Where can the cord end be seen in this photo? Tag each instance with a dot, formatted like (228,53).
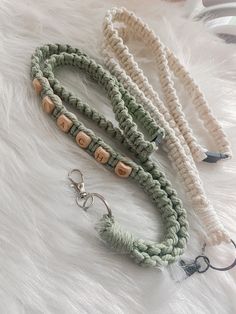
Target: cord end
(158,140)
(213,157)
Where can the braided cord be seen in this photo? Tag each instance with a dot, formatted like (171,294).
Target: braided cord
(129,115)
(179,143)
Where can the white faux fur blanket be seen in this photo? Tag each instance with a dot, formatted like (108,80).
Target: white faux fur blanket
(51,260)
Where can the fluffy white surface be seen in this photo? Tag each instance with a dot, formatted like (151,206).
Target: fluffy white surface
(51,260)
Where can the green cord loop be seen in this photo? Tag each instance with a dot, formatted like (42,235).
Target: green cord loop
(132,118)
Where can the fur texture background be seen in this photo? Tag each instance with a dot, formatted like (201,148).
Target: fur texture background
(51,260)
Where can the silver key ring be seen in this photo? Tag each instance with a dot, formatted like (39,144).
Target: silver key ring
(109,212)
(202,263)
(85,200)
(223,268)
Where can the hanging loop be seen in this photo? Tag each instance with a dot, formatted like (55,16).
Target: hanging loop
(224,268)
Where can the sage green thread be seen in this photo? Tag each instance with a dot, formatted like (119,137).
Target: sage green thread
(129,115)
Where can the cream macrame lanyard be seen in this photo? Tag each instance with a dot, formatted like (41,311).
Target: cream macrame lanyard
(181,146)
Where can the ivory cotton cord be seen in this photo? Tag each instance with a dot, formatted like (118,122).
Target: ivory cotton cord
(181,146)
(129,114)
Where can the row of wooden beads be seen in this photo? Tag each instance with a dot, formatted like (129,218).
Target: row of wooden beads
(82,139)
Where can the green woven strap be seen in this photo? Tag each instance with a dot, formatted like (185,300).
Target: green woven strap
(134,122)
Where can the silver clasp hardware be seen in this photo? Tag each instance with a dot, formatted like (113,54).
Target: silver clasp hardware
(87,198)
(78,186)
(202,263)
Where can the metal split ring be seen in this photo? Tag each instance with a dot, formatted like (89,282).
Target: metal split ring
(209,265)
(88,201)
(84,199)
(207,262)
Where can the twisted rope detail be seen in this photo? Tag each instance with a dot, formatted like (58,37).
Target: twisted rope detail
(179,142)
(129,114)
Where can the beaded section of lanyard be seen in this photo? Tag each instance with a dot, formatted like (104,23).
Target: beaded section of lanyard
(129,115)
(179,143)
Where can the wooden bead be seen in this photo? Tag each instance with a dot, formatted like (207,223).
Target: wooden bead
(101,155)
(64,123)
(37,86)
(83,140)
(122,170)
(48,105)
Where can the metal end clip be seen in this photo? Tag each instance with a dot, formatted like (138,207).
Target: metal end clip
(84,199)
(213,157)
(79,186)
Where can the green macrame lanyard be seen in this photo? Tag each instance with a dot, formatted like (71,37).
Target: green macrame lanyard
(129,115)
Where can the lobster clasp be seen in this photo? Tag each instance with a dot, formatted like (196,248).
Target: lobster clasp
(79,186)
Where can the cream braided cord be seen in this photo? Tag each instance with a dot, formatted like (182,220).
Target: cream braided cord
(179,143)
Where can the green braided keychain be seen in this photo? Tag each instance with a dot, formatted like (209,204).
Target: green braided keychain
(129,115)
